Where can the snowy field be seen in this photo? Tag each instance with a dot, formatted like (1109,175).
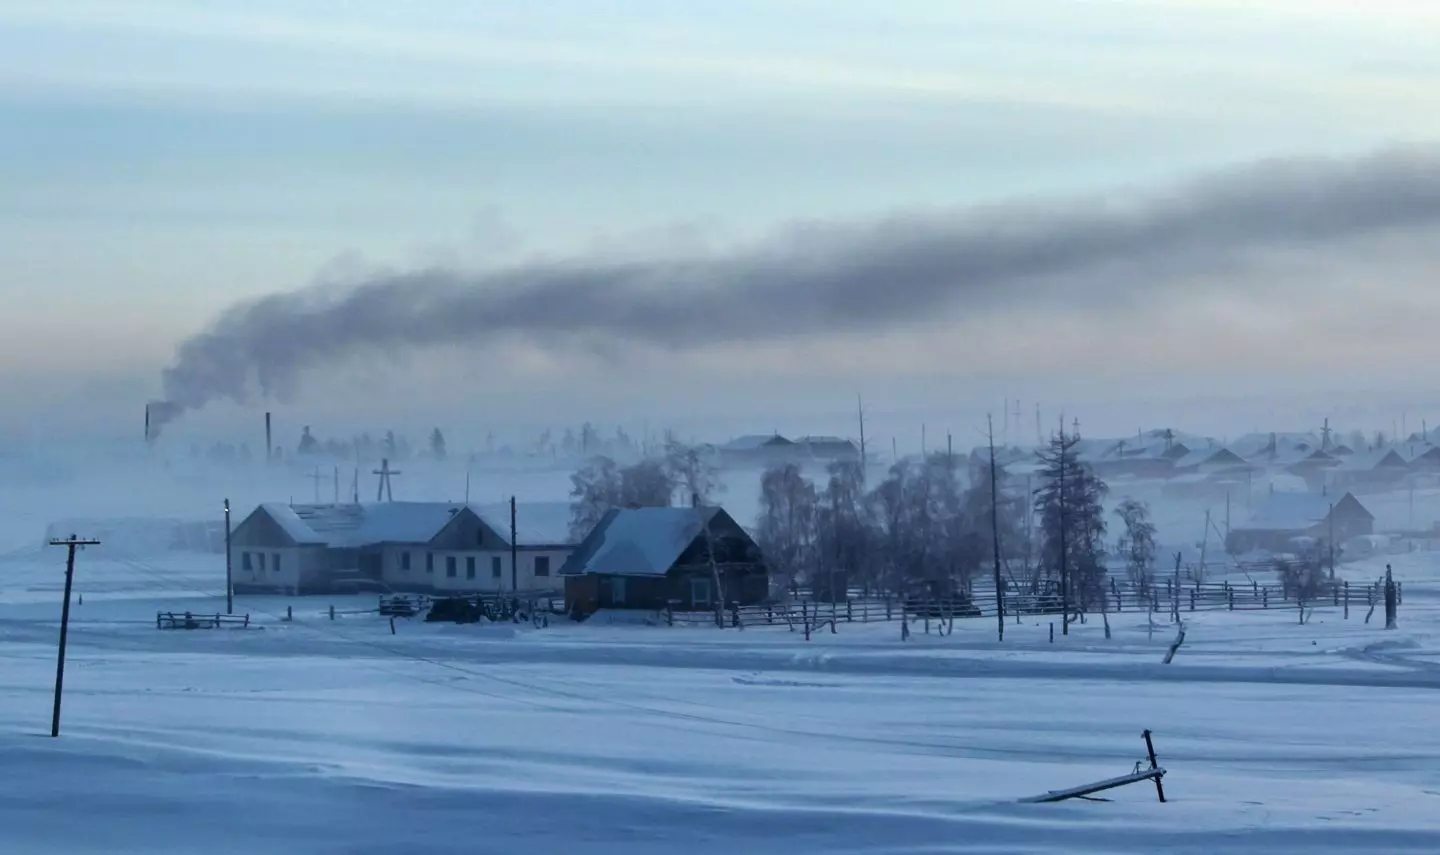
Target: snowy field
(320,736)
(316,736)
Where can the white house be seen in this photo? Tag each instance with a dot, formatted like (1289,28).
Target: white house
(429,547)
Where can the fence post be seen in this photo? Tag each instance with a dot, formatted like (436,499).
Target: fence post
(392,626)
(1192,601)
(1052,632)
(332,612)
(849,610)
(157,619)
(289,614)
(1347,599)
(1336,592)
(888,616)
(247,621)
(1231,592)
(1265,598)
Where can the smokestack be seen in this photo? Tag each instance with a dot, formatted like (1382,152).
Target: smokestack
(269,446)
(148,438)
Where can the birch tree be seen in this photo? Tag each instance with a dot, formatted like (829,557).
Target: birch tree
(786,527)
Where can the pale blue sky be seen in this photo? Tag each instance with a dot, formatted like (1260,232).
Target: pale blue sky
(161,159)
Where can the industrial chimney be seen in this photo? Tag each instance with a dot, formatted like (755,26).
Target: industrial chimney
(269,445)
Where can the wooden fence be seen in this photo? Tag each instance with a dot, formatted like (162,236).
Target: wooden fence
(1170,598)
(188,620)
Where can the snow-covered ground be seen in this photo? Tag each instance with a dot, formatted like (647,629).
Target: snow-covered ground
(320,736)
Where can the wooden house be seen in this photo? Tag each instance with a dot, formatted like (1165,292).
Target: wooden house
(1381,469)
(757,449)
(1286,522)
(657,558)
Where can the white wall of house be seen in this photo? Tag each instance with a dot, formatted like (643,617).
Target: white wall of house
(281,569)
(472,570)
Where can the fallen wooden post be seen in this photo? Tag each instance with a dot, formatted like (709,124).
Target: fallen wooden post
(1154,773)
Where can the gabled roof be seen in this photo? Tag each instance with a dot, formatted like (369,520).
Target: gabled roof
(1293,511)
(1366,461)
(640,541)
(348,526)
(755,441)
(826,440)
(1257,444)
(1218,456)
(536,523)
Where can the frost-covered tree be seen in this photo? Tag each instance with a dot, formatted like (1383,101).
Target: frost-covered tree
(437,444)
(1137,543)
(845,528)
(308,444)
(596,489)
(785,530)
(646,484)
(692,471)
(1301,578)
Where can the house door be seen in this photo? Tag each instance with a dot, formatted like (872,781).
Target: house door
(700,593)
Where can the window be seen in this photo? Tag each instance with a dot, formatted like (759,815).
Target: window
(275,562)
(495,567)
(429,562)
(542,565)
(245,561)
(404,562)
(700,592)
(469,567)
(261,556)
(449,567)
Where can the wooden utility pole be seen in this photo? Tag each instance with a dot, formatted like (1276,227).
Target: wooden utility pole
(860,411)
(514,551)
(315,477)
(229,582)
(72,543)
(995,531)
(1064,564)
(1331,519)
(382,490)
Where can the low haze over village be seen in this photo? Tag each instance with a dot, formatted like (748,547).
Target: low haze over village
(723,428)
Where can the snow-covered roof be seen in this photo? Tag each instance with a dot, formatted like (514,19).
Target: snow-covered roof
(1290,512)
(1365,461)
(638,541)
(1252,444)
(755,441)
(290,522)
(536,523)
(824,440)
(1218,456)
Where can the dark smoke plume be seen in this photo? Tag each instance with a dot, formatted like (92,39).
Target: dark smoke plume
(819,277)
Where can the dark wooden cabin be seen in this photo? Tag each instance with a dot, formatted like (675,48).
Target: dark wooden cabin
(657,558)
